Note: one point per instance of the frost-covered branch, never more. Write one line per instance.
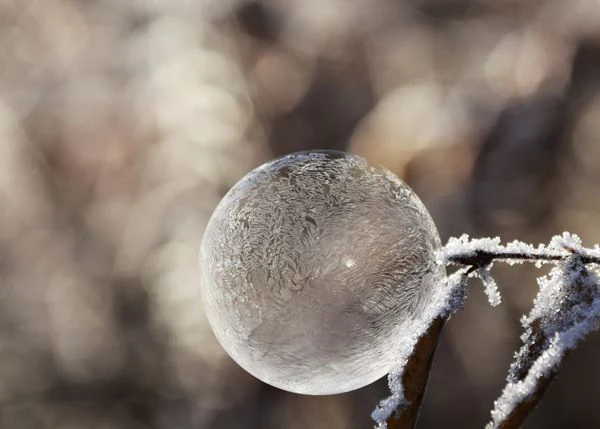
(407, 382)
(481, 252)
(566, 309)
(401, 409)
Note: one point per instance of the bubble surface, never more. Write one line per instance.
(312, 268)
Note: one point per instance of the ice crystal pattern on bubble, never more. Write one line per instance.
(313, 267)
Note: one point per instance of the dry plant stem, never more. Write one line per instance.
(517, 417)
(415, 378)
(531, 351)
(535, 342)
(539, 348)
(482, 258)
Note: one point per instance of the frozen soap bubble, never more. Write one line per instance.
(314, 267)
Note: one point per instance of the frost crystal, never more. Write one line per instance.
(491, 288)
(463, 246)
(445, 302)
(566, 309)
(515, 252)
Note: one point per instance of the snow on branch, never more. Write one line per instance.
(406, 393)
(566, 309)
(480, 252)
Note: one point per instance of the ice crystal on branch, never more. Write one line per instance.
(565, 310)
(446, 301)
(491, 288)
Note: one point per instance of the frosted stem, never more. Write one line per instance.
(566, 309)
(482, 258)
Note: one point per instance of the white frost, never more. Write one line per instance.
(491, 288)
(511, 252)
(567, 308)
(447, 300)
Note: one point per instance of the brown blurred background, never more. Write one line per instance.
(123, 122)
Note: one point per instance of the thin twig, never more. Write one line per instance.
(414, 380)
(564, 311)
(531, 350)
(481, 258)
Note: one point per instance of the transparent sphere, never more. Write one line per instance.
(313, 267)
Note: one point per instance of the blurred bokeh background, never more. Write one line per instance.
(123, 122)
